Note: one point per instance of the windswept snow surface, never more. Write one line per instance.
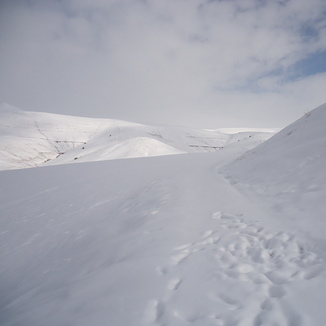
(158, 241)
(29, 139)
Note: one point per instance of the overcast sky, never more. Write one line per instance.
(201, 63)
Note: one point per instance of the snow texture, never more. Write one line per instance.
(202, 239)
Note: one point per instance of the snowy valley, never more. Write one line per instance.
(232, 234)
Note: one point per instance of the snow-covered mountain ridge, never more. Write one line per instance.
(30, 139)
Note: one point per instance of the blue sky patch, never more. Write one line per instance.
(314, 64)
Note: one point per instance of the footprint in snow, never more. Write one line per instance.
(153, 311)
(174, 284)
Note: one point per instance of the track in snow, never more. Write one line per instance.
(249, 273)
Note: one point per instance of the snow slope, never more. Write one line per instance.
(162, 241)
(29, 139)
(288, 171)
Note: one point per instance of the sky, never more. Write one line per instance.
(199, 63)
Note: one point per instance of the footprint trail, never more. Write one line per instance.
(237, 274)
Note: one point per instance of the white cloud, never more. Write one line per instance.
(184, 62)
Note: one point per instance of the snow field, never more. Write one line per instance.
(117, 242)
(182, 240)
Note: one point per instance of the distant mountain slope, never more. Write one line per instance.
(29, 139)
(289, 170)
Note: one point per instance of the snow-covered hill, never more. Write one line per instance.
(30, 139)
(289, 170)
(169, 240)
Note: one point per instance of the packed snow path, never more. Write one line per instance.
(150, 242)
